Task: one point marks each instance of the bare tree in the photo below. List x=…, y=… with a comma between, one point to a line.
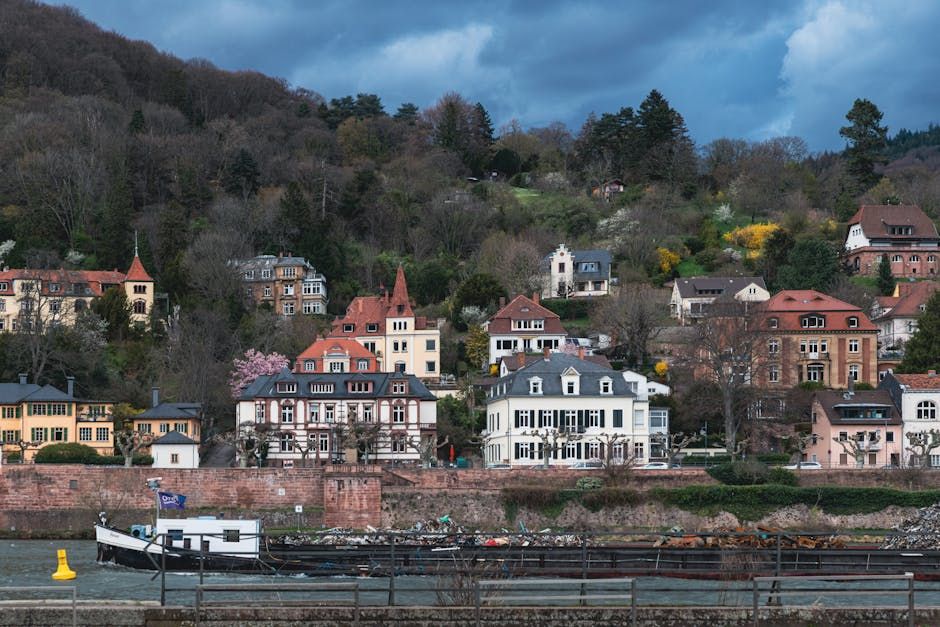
x=674, y=444
x=552, y=441
x=920, y=445
x=727, y=352
x=798, y=443
x=859, y=445
x=633, y=317
x=25, y=445
x=38, y=323
x=427, y=447
x=129, y=442
x=248, y=439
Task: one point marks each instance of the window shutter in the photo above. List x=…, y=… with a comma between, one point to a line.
x=580, y=418
x=602, y=418
x=66, y=433
x=531, y=452
x=555, y=418
x=618, y=418
x=517, y=419
x=541, y=450
x=601, y=450
x=578, y=450
x=564, y=451
x=517, y=450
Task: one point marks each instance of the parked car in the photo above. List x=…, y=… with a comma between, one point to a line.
x=499, y=467
x=658, y=466
x=588, y=465
x=804, y=466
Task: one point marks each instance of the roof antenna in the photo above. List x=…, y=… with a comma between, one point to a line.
x=135, y=242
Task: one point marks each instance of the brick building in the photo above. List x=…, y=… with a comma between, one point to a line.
x=902, y=232
x=290, y=285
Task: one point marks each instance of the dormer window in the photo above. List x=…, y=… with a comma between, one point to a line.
x=360, y=387
x=607, y=386
x=249, y=275
x=349, y=328
x=399, y=388
x=266, y=274
x=814, y=321
x=773, y=323
x=372, y=327
x=285, y=387
x=321, y=388
x=535, y=385
x=525, y=325
x=310, y=365
x=571, y=387
x=853, y=322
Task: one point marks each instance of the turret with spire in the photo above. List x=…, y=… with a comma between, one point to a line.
x=399, y=306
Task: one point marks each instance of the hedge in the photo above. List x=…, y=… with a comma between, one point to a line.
x=750, y=472
x=706, y=460
x=65, y=453
x=571, y=308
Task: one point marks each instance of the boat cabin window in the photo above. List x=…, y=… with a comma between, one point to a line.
x=173, y=535
x=230, y=535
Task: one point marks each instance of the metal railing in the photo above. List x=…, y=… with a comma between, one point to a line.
x=71, y=589
x=279, y=588
x=501, y=593
x=776, y=591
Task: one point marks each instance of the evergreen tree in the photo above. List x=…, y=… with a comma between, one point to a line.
x=885, y=277
x=665, y=152
x=137, y=123
x=113, y=308
x=241, y=177
x=117, y=211
x=774, y=255
x=449, y=132
x=922, y=352
x=812, y=264
x=867, y=143
x=407, y=112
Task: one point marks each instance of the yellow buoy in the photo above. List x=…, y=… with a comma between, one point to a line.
x=63, y=572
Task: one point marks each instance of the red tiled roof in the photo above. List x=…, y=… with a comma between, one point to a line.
x=96, y=280
x=907, y=305
x=362, y=310
x=523, y=308
x=789, y=306
x=335, y=346
x=919, y=381
x=399, y=305
x=136, y=272
x=875, y=220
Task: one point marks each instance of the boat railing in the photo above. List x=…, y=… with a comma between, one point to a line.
x=72, y=590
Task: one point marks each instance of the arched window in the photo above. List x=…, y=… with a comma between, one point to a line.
x=858, y=263
x=140, y=307
x=926, y=410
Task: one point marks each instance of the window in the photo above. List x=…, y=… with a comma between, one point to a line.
x=813, y=322
x=37, y=434
x=430, y=345
x=853, y=322
x=594, y=419
x=140, y=289
x=11, y=435
x=55, y=306
x=310, y=288
x=4, y=286
x=359, y=387
x=362, y=364
x=773, y=323
x=249, y=275
x=174, y=458
x=897, y=258
x=287, y=442
x=926, y=410
x=248, y=292
x=399, y=387
x=931, y=258
x=815, y=372
x=349, y=328
x=288, y=289
x=287, y=413
x=618, y=418
x=310, y=365
x=267, y=291
x=843, y=436
x=84, y=434
x=287, y=308
x=231, y=535
x=399, y=444
x=290, y=272
x=266, y=273
x=164, y=427
x=398, y=413
x=853, y=346
x=569, y=387
x=607, y=386
x=181, y=427
x=561, y=268
x=773, y=374
x=639, y=418
x=525, y=325
x=102, y=434
x=915, y=258
x=371, y=328
x=523, y=419
x=259, y=412
x=400, y=325
x=314, y=409
x=368, y=412
x=321, y=388
x=286, y=388
x=430, y=366
x=60, y=434
x=889, y=436
x=324, y=442
x=853, y=372
x=773, y=346
x=143, y=427
x=140, y=307
x=337, y=366
x=311, y=307
x=639, y=450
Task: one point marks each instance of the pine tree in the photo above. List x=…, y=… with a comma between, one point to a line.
x=867, y=143
x=885, y=277
x=922, y=352
x=407, y=112
x=242, y=174
x=137, y=123
x=117, y=211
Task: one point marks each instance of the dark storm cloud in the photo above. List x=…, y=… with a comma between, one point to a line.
x=732, y=68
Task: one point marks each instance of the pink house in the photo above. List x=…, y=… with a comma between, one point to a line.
x=860, y=429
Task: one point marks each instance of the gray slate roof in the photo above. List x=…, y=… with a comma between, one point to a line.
x=172, y=410
x=173, y=437
x=265, y=386
x=690, y=288
x=12, y=393
x=599, y=255
x=271, y=261
x=550, y=371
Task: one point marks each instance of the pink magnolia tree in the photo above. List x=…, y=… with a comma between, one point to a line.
x=253, y=365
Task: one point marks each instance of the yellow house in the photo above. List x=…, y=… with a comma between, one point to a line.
x=163, y=418
x=34, y=416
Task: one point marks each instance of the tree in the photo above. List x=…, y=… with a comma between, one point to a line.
x=129, y=442
x=407, y=113
x=478, y=346
x=858, y=446
x=480, y=290
x=254, y=364
x=774, y=255
x=922, y=351
x=885, y=277
x=812, y=264
x=674, y=444
x=727, y=352
x=248, y=439
x=798, y=443
x=241, y=176
x=867, y=143
x=113, y=308
x=920, y=445
x=552, y=440
x=426, y=447
x=633, y=316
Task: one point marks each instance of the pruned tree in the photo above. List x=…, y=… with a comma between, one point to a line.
x=25, y=445
x=920, y=445
x=362, y=438
x=634, y=317
x=674, y=444
x=797, y=443
x=552, y=441
x=248, y=439
x=609, y=442
x=727, y=351
x=857, y=446
x=426, y=447
x=129, y=442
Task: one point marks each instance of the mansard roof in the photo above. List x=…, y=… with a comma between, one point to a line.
x=266, y=386
x=551, y=369
x=875, y=221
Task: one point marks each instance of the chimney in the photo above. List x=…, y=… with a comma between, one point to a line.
x=154, y=396
x=581, y=353
x=931, y=373
x=546, y=351
x=22, y=378
x=70, y=386
x=535, y=297
x=502, y=302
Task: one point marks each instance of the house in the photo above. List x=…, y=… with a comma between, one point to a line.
x=814, y=337
x=42, y=414
x=52, y=297
x=162, y=418
x=288, y=284
x=855, y=429
x=523, y=326
x=918, y=397
x=608, y=189
x=691, y=297
x=902, y=232
x=511, y=363
x=575, y=273
x=372, y=416
x=175, y=450
x=565, y=409
x=388, y=328
x=336, y=354
x=896, y=315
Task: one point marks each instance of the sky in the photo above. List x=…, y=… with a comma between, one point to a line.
x=750, y=69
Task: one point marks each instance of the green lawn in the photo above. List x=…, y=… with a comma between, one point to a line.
x=870, y=282
x=688, y=267
x=525, y=196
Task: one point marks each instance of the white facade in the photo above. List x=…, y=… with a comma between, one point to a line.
x=175, y=455
x=920, y=411
x=523, y=341
x=856, y=238
x=568, y=276
x=689, y=302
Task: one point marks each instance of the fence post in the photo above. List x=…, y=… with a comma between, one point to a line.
x=910, y=599
x=198, y=602
x=583, y=567
x=778, y=554
x=391, y=580
x=476, y=599
x=163, y=572
x=202, y=558
x=633, y=602
x=356, y=609
x=74, y=606
x=755, y=601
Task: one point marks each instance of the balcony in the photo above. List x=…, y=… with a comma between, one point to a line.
x=814, y=355
x=870, y=447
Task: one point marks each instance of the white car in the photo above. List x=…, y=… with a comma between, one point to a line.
x=655, y=466
x=588, y=465
x=804, y=466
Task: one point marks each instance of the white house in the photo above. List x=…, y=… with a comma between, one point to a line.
x=918, y=397
x=175, y=450
x=565, y=409
x=523, y=326
x=691, y=297
x=896, y=315
x=340, y=416
x=575, y=273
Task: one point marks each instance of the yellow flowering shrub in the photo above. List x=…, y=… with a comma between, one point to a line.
x=751, y=236
x=667, y=259
x=661, y=368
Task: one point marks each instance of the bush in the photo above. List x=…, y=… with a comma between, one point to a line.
x=66, y=453
x=589, y=483
x=596, y=500
x=705, y=460
x=570, y=308
x=13, y=458
x=118, y=460
x=782, y=476
x=744, y=472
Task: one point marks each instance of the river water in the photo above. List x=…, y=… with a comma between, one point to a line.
x=32, y=562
